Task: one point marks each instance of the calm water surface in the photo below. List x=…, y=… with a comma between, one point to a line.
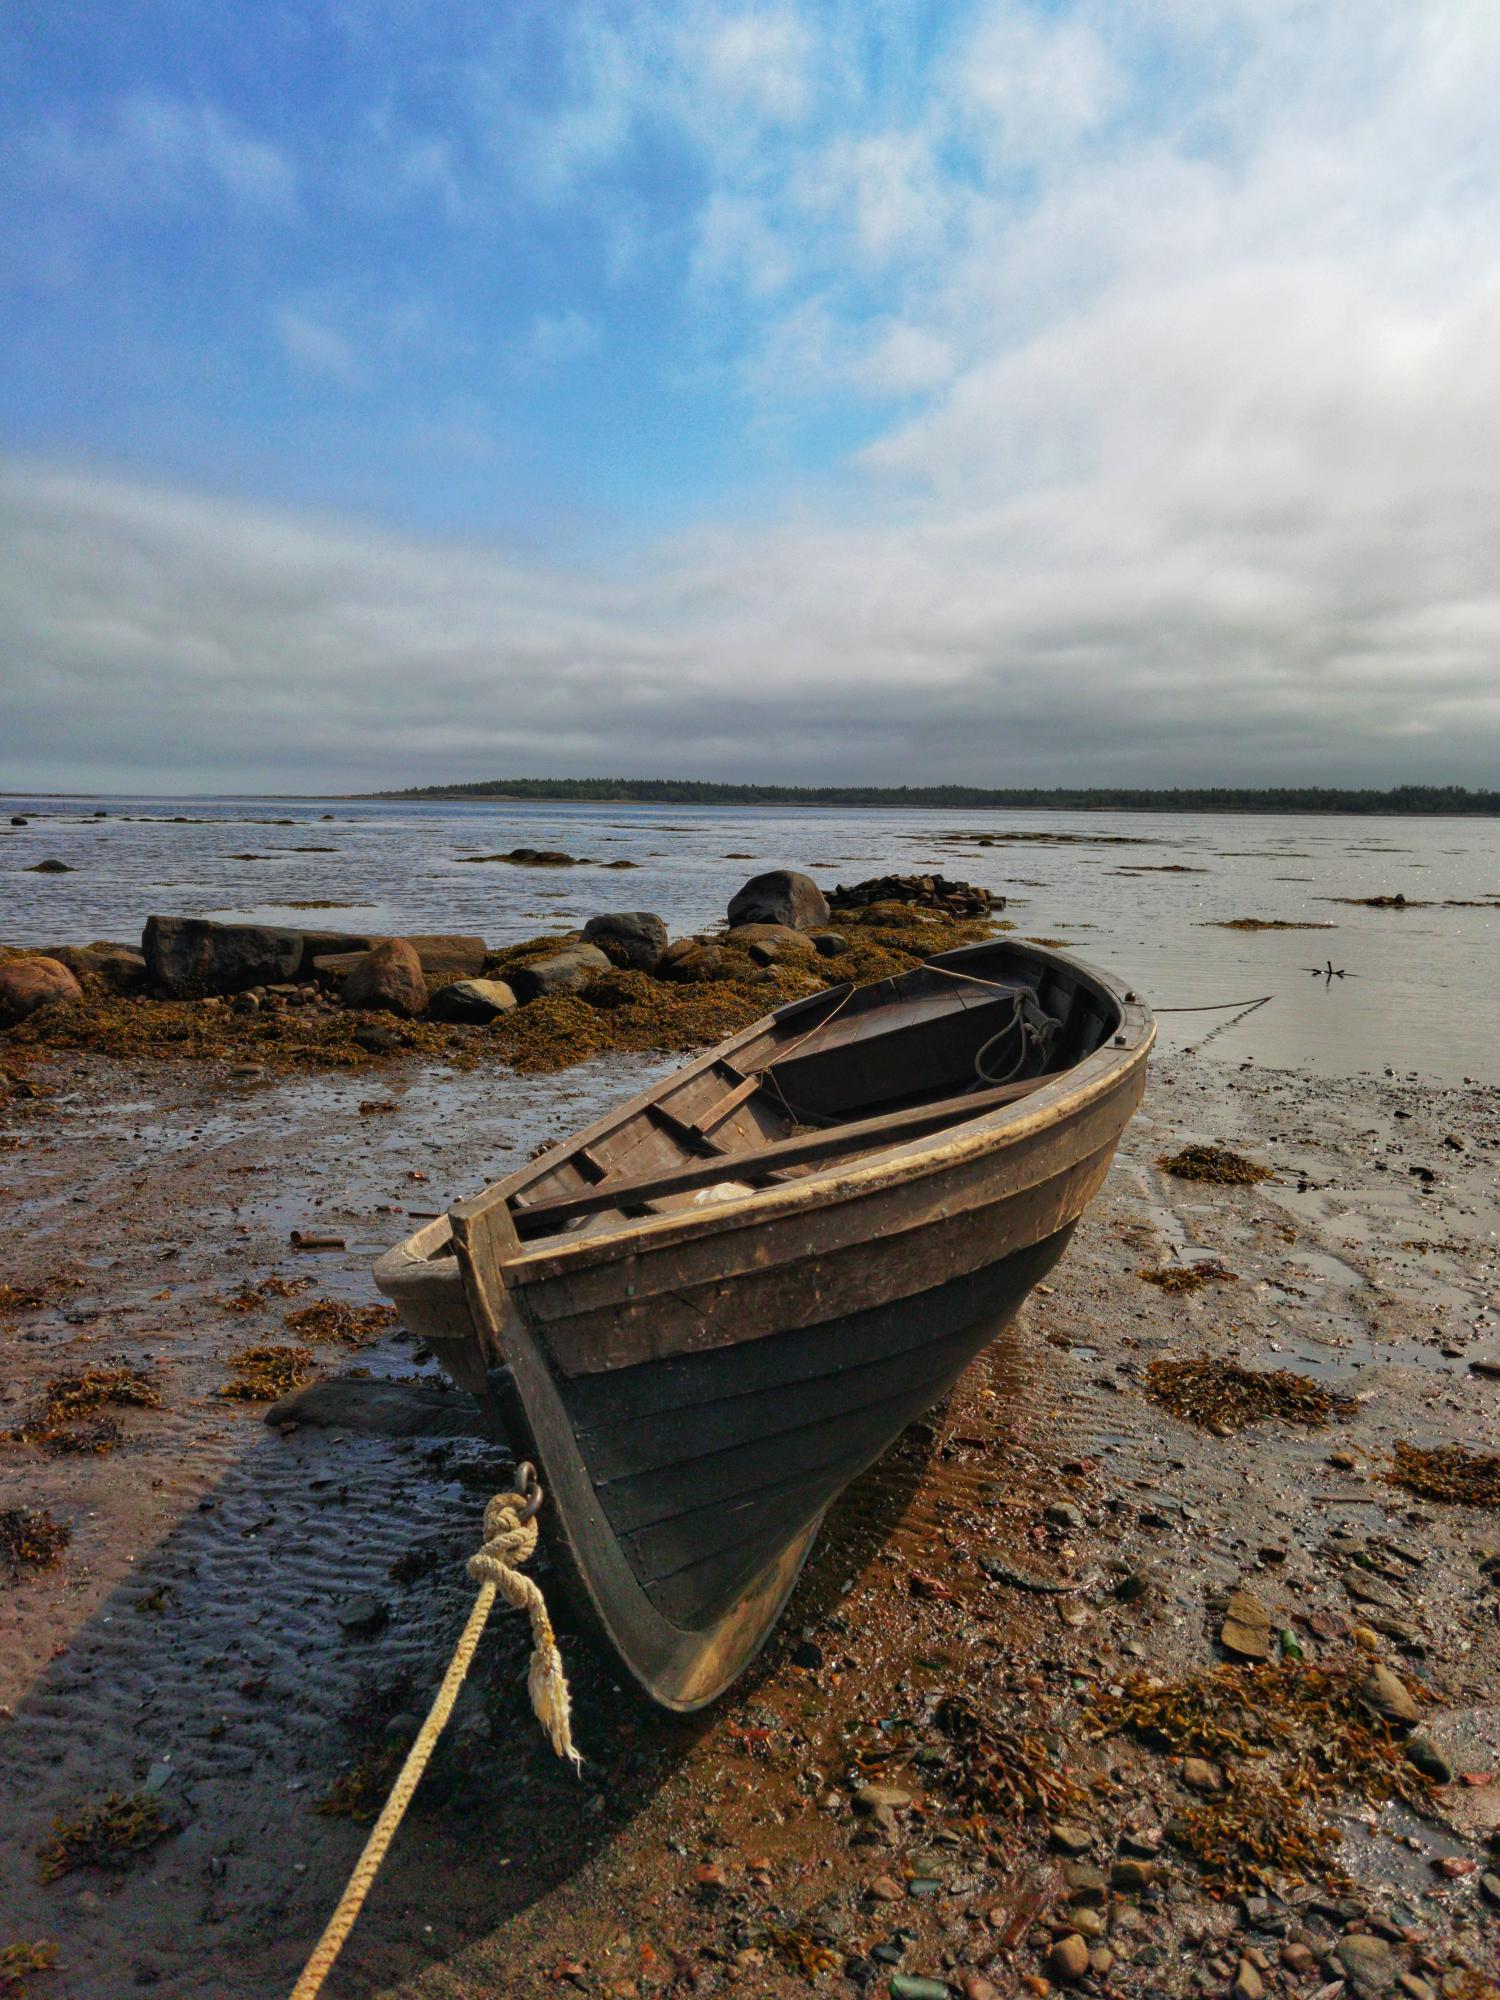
x=1139, y=893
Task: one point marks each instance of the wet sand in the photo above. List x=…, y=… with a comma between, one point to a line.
x=190, y=1642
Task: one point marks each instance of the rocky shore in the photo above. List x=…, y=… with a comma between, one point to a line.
x=1162, y=1660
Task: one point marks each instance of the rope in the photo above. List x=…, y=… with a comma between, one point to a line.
x=1217, y=1007
x=510, y=1534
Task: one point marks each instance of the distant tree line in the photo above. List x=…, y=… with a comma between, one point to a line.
x=1216, y=798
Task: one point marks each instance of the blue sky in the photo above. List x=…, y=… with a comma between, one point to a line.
x=750, y=388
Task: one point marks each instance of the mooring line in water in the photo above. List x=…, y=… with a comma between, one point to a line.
x=1217, y=1007
x=510, y=1534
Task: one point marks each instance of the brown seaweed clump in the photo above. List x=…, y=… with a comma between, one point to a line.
x=1188, y=1277
x=336, y=1319
x=1266, y=924
x=1213, y=1163
x=265, y=1374
x=18, y=1963
x=59, y=1423
x=248, y=1297
x=1448, y=1472
x=1224, y=1396
x=1290, y=1736
x=108, y=1835
x=997, y=1769
x=30, y=1540
x=361, y=1791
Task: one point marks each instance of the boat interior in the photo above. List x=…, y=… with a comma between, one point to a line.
x=825, y=1080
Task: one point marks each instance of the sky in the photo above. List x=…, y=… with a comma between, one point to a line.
x=867, y=391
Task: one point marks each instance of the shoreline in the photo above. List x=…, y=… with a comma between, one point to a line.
x=192, y=1637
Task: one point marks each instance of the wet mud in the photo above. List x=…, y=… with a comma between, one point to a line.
x=244, y=1619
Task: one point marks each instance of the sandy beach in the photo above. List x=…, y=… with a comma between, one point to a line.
x=246, y=1619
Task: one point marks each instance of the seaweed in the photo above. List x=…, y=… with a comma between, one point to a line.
x=248, y=1297
x=361, y=1791
x=18, y=1962
x=1448, y=1472
x=58, y=1423
x=30, y=1540
x=265, y=1374
x=1255, y=1839
x=1265, y=924
x=1225, y=1396
x=109, y=1835
x=336, y=1319
x=1213, y=1163
x=1188, y=1277
x=996, y=1768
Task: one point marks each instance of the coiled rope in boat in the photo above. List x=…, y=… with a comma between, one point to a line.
x=510, y=1533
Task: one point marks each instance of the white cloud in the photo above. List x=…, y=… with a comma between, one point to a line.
x=318, y=347
x=1036, y=85
x=558, y=338
x=154, y=149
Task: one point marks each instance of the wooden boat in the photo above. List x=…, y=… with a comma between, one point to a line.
x=705, y=1314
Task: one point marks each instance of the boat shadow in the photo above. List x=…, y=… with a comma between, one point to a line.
x=272, y=1653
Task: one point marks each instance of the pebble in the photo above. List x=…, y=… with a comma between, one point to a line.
x=1069, y=1838
x=1369, y=1962
x=1388, y=1695
x=1063, y=1514
x=1298, y=1958
x=1068, y=1960
x=974, y=1986
x=1085, y=1884
x=1088, y=1923
x=1246, y=1631
x=908, y=1986
x=1248, y=1984
x=871, y=1799
x=363, y=1617
x=1489, y=1888
x=1201, y=1776
x=1131, y=1875
x=1418, y=1989
x=885, y=1889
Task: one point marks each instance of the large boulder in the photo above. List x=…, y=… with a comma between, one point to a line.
x=120, y=967
x=388, y=980
x=473, y=1000
x=323, y=944
x=29, y=983
x=187, y=957
x=449, y=955
x=566, y=971
x=629, y=937
x=781, y=896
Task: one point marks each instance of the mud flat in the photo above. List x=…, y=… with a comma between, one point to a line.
x=933, y=1783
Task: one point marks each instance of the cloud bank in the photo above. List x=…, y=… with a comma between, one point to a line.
x=1180, y=357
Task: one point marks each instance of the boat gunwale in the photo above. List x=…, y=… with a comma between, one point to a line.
x=1072, y=1090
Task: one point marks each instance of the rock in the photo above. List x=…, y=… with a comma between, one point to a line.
x=886, y=1889
x=780, y=896
x=1069, y=1838
x=808, y=1654
x=478, y=1000
x=325, y=944
x=120, y=967
x=1246, y=1630
x=1248, y=1984
x=1085, y=1884
x=829, y=944
x=909, y=1986
x=1130, y=1875
x=1201, y=1776
x=1298, y=1958
x=974, y=1986
x=1417, y=1989
x=50, y=867
x=565, y=971
x=1388, y=1695
x=1486, y=1362
x=377, y=1041
x=1068, y=1960
x=363, y=1617
x=28, y=984
x=1101, y=1958
x=710, y=1878
x=1369, y=1962
x=387, y=980
x=628, y=938
x=1088, y=1923
x=693, y=959
x=188, y=957
x=870, y=1799
x=1063, y=1514
x=929, y=892
x=19, y=819
x=1489, y=1888
x=380, y=1409
x=449, y=954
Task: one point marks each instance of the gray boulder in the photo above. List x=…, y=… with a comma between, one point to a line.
x=472, y=1000
x=120, y=966
x=188, y=957
x=629, y=937
x=781, y=896
x=449, y=955
x=566, y=971
x=388, y=980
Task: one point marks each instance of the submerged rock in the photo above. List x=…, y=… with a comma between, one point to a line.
x=780, y=896
x=27, y=984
